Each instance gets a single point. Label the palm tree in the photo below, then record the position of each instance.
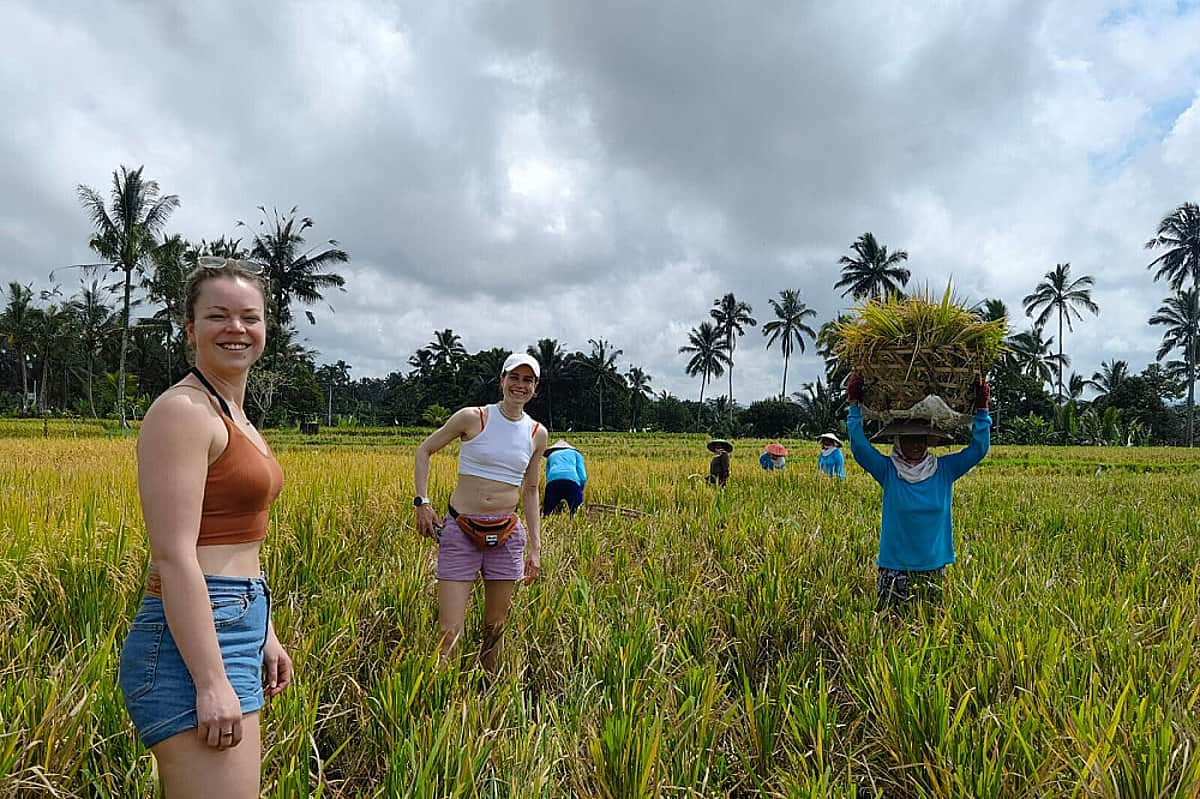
(422, 362)
(1032, 354)
(553, 363)
(53, 336)
(1076, 383)
(1112, 374)
(820, 408)
(1180, 315)
(16, 330)
(1059, 294)
(991, 310)
(94, 323)
(788, 327)
(167, 284)
(486, 365)
(828, 339)
(599, 368)
(639, 392)
(731, 315)
(291, 271)
(872, 271)
(447, 348)
(125, 236)
(706, 344)
(1179, 235)
(332, 375)
(219, 247)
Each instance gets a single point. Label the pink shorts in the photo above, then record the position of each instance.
(459, 559)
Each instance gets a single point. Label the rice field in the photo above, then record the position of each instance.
(724, 645)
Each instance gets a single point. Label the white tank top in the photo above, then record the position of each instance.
(502, 450)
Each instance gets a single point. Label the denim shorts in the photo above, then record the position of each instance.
(459, 559)
(158, 689)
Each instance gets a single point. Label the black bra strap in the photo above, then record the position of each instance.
(204, 382)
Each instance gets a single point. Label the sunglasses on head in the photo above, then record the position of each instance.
(214, 262)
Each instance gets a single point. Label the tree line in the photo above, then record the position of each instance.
(117, 341)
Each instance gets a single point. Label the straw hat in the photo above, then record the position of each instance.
(837, 442)
(911, 428)
(776, 449)
(557, 445)
(719, 444)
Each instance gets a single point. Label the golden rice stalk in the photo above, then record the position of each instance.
(908, 348)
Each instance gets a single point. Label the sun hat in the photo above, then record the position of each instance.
(911, 428)
(521, 359)
(837, 442)
(719, 444)
(776, 449)
(557, 445)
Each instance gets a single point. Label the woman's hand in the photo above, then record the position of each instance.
(533, 563)
(219, 715)
(277, 667)
(427, 522)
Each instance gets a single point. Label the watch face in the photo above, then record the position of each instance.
(418, 502)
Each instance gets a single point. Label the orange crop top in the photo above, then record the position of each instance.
(241, 485)
(238, 491)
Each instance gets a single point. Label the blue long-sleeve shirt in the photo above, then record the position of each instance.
(917, 532)
(566, 464)
(833, 464)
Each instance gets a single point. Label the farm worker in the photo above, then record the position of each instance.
(481, 535)
(566, 477)
(718, 467)
(831, 461)
(916, 538)
(773, 457)
(202, 656)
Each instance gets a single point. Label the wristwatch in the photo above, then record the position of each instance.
(419, 501)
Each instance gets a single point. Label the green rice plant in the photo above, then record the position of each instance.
(624, 753)
(764, 710)
(724, 645)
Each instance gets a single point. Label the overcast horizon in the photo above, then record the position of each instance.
(526, 170)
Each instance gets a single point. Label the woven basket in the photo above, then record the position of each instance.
(898, 377)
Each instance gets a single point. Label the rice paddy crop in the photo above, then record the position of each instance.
(908, 347)
(723, 645)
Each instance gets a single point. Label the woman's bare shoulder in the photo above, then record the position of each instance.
(179, 414)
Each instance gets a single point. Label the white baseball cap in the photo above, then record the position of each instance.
(521, 359)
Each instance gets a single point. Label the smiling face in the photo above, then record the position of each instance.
(518, 385)
(228, 325)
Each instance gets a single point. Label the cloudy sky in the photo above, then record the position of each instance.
(576, 170)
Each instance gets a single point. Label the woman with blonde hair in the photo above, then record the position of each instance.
(481, 535)
(201, 646)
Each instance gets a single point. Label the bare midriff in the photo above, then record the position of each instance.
(226, 560)
(479, 495)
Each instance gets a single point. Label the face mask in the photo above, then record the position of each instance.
(913, 472)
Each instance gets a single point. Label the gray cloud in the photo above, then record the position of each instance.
(580, 170)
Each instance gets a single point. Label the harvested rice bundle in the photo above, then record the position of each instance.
(910, 350)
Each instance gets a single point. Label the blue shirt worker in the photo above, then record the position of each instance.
(773, 457)
(565, 478)
(831, 461)
(916, 538)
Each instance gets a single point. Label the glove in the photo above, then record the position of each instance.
(854, 388)
(983, 395)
